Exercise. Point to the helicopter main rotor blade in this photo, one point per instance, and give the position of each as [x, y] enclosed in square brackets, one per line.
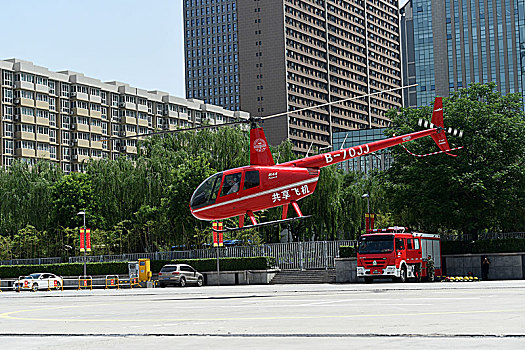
[338, 101]
[176, 131]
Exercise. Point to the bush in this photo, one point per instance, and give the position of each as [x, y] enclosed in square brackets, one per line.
[508, 245]
[347, 251]
[121, 268]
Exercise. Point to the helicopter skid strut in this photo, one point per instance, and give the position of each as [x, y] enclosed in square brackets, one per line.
[232, 229]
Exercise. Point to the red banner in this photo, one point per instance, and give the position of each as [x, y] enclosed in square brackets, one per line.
[214, 225]
[221, 241]
[88, 240]
[81, 239]
[369, 222]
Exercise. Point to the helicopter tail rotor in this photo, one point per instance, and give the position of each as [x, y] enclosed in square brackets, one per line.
[440, 137]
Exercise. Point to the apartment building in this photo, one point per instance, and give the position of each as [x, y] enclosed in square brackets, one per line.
[275, 56]
[67, 118]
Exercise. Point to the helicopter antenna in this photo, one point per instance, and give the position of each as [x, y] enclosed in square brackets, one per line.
[309, 149]
[338, 101]
[343, 145]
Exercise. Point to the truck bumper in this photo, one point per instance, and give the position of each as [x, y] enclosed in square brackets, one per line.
[389, 271]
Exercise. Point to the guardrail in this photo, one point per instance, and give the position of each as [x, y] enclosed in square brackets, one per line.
[295, 255]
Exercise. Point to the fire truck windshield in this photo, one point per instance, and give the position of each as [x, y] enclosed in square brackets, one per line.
[376, 244]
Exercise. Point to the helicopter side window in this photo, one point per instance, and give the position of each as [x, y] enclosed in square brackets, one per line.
[231, 184]
[251, 179]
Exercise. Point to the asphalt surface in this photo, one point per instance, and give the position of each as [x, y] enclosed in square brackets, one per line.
[466, 315]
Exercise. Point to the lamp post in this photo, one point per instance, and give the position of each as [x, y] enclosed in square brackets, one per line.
[367, 196]
[83, 213]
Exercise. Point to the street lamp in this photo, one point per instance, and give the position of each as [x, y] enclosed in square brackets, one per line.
[83, 213]
[367, 196]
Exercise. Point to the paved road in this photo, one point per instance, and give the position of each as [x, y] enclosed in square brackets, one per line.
[440, 315]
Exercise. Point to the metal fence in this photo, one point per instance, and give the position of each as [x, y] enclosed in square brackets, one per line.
[35, 261]
[295, 255]
[288, 256]
[481, 236]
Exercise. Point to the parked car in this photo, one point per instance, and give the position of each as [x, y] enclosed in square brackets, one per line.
[179, 274]
[40, 280]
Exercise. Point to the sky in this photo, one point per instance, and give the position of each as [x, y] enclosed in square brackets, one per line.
[133, 41]
[137, 42]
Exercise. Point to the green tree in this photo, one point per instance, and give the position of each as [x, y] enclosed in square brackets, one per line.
[482, 188]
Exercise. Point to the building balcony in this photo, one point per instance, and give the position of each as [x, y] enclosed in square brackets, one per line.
[95, 114]
[79, 96]
[42, 104]
[24, 152]
[80, 111]
[95, 99]
[129, 120]
[24, 85]
[97, 145]
[42, 88]
[43, 154]
[30, 136]
[142, 108]
[143, 122]
[24, 118]
[26, 102]
[42, 121]
[81, 143]
[96, 129]
[80, 127]
[42, 138]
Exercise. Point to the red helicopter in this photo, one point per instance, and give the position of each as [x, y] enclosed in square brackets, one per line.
[264, 184]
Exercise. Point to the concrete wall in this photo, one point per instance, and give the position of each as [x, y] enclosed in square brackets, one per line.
[239, 277]
[346, 270]
[504, 266]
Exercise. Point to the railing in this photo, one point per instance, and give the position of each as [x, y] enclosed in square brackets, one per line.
[481, 236]
[35, 261]
[296, 255]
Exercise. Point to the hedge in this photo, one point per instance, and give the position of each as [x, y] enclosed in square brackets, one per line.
[121, 268]
[507, 245]
[346, 251]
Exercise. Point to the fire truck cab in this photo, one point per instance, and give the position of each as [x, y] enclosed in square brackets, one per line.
[398, 255]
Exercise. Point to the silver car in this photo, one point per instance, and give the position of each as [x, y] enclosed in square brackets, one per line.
[36, 281]
[179, 274]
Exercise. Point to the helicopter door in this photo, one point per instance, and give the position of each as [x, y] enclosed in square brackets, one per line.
[251, 179]
[231, 184]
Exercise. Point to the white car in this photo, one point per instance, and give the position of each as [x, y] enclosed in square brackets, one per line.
[36, 281]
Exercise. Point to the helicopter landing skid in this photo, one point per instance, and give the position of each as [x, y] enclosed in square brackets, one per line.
[233, 229]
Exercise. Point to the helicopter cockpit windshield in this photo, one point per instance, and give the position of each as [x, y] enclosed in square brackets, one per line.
[206, 193]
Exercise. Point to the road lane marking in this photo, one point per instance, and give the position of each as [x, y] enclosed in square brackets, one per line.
[10, 316]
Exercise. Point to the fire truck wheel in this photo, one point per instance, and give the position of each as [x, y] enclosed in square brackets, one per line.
[369, 280]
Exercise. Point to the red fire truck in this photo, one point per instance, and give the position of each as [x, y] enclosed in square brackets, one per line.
[397, 254]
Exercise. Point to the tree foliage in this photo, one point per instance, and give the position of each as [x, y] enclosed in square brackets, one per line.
[481, 189]
[142, 204]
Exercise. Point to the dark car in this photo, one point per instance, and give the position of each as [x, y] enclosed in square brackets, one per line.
[179, 274]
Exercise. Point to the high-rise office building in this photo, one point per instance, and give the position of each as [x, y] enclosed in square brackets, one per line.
[450, 44]
[273, 56]
[66, 117]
